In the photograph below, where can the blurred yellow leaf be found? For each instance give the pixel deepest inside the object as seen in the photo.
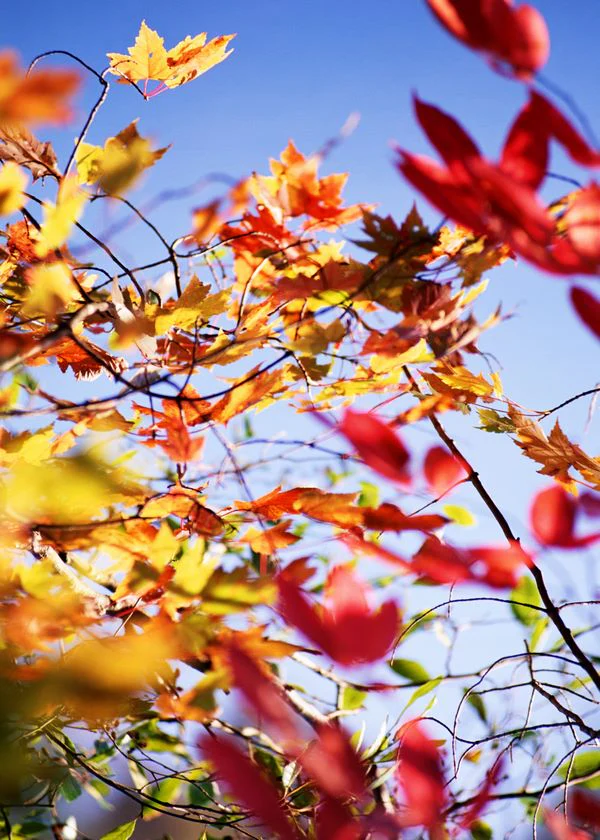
(12, 183)
(51, 288)
(59, 218)
(118, 164)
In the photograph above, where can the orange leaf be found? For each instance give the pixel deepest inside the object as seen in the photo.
(40, 96)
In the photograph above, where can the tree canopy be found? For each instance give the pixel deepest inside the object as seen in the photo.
(239, 585)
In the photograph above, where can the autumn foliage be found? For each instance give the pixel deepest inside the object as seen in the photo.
(234, 626)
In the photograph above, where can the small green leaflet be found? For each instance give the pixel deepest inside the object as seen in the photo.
(526, 592)
(421, 691)
(122, 832)
(412, 671)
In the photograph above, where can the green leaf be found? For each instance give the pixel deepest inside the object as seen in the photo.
(481, 831)
(369, 495)
(539, 629)
(459, 515)
(491, 421)
(476, 701)
(70, 788)
(429, 686)
(527, 593)
(351, 698)
(122, 832)
(412, 671)
(201, 792)
(584, 764)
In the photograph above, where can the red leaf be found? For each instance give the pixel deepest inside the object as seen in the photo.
(345, 628)
(482, 797)
(587, 307)
(443, 563)
(248, 785)
(335, 822)
(552, 519)
(442, 470)
(420, 775)
(582, 221)
(333, 764)
(556, 126)
(586, 808)
(517, 37)
(262, 693)
(377, 444)
(388, 517)
(450, 139)
(561, 830)
(525, 152)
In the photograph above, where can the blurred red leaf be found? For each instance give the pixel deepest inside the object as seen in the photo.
(517, 37)
(552, 519)
(345, 628)
(587, 307)
(333, 764)
(419, 774)
(248, 785)
(442, 470)
(482, 797)
(377, 444)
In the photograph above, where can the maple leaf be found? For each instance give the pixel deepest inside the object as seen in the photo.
(248, 784)
(59, 218)
(587, 307)
(118, 165)
(420, 775)
(193, 308)
(517, 37)
(12, 183)
(552, 519)
(39, 96)
(500, 200)
(86, 359)
(345, 628)
(336, 508)
(267, 698)
(555, 453)
(149, 60)
(51, 289)
(442, 470)
(294, 189)
(443, 563)
(18, 144)
(333, 764)
(271, 539)
(255, 389)
(483, 795)
(377, 444)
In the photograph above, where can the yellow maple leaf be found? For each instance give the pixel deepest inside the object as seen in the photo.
(117, 165)
(51, 288)
(59, 218)
(193, 56)
(194, 306)
(460, 383)
(149, 60)
(12, 184)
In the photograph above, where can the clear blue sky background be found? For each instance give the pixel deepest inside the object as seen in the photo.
(298, 70)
